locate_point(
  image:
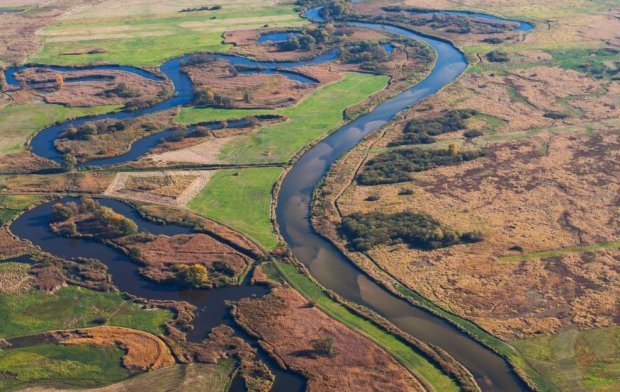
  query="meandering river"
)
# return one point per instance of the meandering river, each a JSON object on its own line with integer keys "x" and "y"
{"x": 325, "y": 262}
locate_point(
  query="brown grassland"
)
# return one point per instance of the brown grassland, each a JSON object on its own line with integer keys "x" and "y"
{"x": 288, "y": 325}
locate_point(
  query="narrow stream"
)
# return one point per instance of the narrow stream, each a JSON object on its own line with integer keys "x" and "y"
{"x": 325, "y": 262}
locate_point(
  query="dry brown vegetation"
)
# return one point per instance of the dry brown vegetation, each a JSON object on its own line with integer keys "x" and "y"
{"x": 162, "y": 256}
{"x": 24, "y": 162}
{"x": 14, "y": 278}
{"x": 94, "y": 92}
{"x": 290, "y": 328}
{"x": 173, "y": 188}
{"x": 555, "y": 190}
{"x": 200, "y": 223}
{"x": 113, "y": 142}
{"x": 144, "y": 351}
{"x": 57, "y": 183}
{"x": 262, "y": 90}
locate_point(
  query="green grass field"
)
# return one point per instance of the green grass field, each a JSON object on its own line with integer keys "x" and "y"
{"x": 396, "y": 347}
{"x": 19, "y": 122}
{"x": 577, "y": 360}
{"x": 73, "y": 307}
{"x": 52, "y": 364}
{"x": 311, "y": 119}
{"x": 148, "y": 37}
{"x": 241, "y": 199}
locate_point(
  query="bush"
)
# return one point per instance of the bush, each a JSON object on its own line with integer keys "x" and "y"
{"x": 395, "y": 166}
{"x": 556, "y": 115}
{"x": 324, "y": 346}
{"x": 473, "y": 134}
{"x": 365, "y": 231}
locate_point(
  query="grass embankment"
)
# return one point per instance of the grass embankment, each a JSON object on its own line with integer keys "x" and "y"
{"x": 19, "y": 122}
{"x": 52, "y": 364}
{"x": 311, "y": 119}
{"x": 577, "y": 360}
{"x": 34, "y": 312}
{"x": 13, "y": 205}
{"x": 242, "y": 200}
{"x": 560, "y": 252}
{"x": 148, "y": 37}
{"x": 396, "y": 347}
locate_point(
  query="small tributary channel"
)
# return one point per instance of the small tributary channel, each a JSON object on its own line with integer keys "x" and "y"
{"x": 212, "y": 304}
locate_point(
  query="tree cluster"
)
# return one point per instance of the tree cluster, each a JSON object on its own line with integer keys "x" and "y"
{"x": 121, "y": 90}
{"x": 88, "y": 130}
{"x": 363, "y": 53}
{"x": 421, "y": 131}
{"x": 365, "y": 231}
{"x": 308, "y": 39}
{"x": 395, "y": 166}
{"x": 102, "y": 221}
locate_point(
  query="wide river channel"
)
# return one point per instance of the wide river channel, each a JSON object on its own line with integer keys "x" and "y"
{"x": 324, "y": 261}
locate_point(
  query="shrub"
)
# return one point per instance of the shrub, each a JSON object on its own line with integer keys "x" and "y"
{"x": 556, "y": 115}
{"x": 324, "y": 346}
{"x": 473, "y": 134}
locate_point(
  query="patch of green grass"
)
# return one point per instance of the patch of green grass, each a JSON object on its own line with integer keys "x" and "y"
{"x": 73, "y": 307}
{"x": 19, "y": 122}
{"x": 308, "y": 121}
{"x": 560, "y": 252}
{"x": 192, "y": 115}
{"x": 242, "y": 200}
{"x": 13, "y": 205}
{"x": 587, "y": 60}
{"x": 52, "y": 364}
{"x": 577, "y": 360}
{"x": 404, "y": 353}
{"x": 138, "y": 51}
{"x": 149, "y": 39}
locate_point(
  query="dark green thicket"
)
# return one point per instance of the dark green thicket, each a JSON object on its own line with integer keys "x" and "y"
{"x": 421, "y": 131}
{"x": 497, "y": 56}
{"x": 395, "y": 166}
{"x": 365, "y": 231}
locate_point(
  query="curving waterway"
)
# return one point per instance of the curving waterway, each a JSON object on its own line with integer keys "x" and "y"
{"x": 334, "y": 270}
{"x": 325, "y": 262}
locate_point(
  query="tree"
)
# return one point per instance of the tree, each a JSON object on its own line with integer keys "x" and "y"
{"x": 324, "y": 346}
{"x": 60, "y": 81}
{"x": 453, "y": 148}
{"x": 247, "y": 96}
{"x": 61, "y": 213}
{"x": 195, "y": 275}
{"x": 69, "y": 162}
